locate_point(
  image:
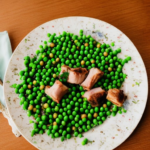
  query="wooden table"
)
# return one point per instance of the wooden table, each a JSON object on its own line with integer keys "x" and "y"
{"x": 130, "y": 16}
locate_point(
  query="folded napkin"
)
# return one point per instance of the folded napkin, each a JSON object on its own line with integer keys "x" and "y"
{"x": 5, "y": 53}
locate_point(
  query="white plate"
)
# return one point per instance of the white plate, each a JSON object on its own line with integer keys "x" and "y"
{"x": 114, "y": 130}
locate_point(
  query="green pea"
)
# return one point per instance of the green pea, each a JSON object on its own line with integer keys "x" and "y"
{"x": 76, "y": 109}
{"x": 34, "y": 125}
{"x": 113, "y": 114}
{"x": 100, "y": 122}
{"x": 56, "y": 134}
{"x": 38, "y": 119}
{"x": 32, "y": 133}
{"x": 76, "y": 125}
{"x": 90, "y": 116}
{"x": 68, "y": 136}
{"x": 44, "y": 127}
{"x": 48, "y": 110}
{"x": 120, "y": 112}
{"x": 55, "y": 127}
{"x": 85, "y": 141}
{"x": 48, "y": 132}
{"x": 81, "y": 110}
{"x": 29, "y": 113}
{"x": 103, "y": 118}
{"x": 124, "y": 110}
{"x": 84, "y": 119}
{"x": 44, "y": 117}
{"x": 106, "y": 109}
{"x": 101, "y": 109}
{"x": 75, "y": 134}
{"x": 101, "y": 114}
{"x": 25, "y": 105}
{"x": 62, "y": 138}
{"x": 109, "y": 103}
{"x": 75, "y": 98}
{"x": 56, "y": 108}
{"x": 71, "y": 103}
{"x": 71, "y": 117}
{"x": 68, "y": 106}
{"x": 66, "y": 118}
{"x": 63, "y": 123}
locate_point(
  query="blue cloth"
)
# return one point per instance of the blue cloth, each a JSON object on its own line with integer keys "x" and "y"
{"x": 5, "y": 54}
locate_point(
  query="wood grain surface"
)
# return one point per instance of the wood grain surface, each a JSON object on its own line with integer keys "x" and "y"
{"x": 132, "y": 17}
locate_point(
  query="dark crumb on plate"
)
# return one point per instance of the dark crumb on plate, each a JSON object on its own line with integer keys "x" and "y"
{"x": 1, "y": 82}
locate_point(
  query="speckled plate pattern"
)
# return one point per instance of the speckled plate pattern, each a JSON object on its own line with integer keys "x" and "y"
{"x": 114, "y": 130}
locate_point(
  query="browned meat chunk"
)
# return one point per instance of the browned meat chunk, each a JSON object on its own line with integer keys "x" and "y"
{"x": 92, "y": 78}
{"x": 116, "y": 96}
{"x": 76, "y": 75}
{"x": 95, "y": 96}
{"x": 57, "y": 91}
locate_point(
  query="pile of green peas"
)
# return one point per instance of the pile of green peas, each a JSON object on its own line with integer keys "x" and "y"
{"x": 73, "y": 115}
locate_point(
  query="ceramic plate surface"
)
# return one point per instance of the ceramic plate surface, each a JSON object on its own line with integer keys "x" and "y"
{"x": 114, "y": 130}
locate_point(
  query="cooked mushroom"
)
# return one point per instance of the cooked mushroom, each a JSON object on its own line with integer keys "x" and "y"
{"x": 57, "y": 91}
{"x": 116, "y": 96}
{"x": 95, "y": 96}
{"x": 76, "y": 75}
{"x": 92, "y": 78}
